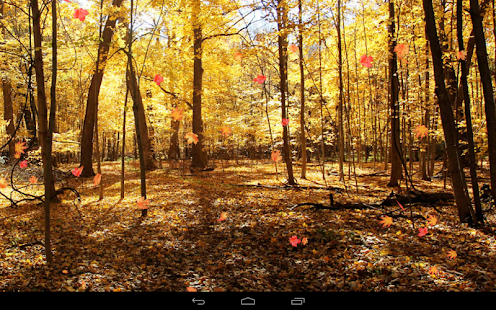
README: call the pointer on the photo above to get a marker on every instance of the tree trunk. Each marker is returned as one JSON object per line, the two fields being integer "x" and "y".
{"x": 487, "y": 88}
{"x": 199, "y": 160}
{"x": 468, "y": 117}
{"x": 447, "y": 118}
{"x": 303, "y": 139}
{"x": 8, "y": 114}
{"x": 393, "y": 102}
{"x": 283, "y": 72}
{"x": 340, "y": 101}
{"x": 93, "y": 93}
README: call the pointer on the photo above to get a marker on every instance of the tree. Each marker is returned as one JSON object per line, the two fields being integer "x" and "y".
{"x": 447, "y": 119}
{"x": 487, "y": 88}
{"x": 303, "y": 139}
{"x": 282, "y": 20}
{"x": 93, "y": 94}
{"x": 393, "y": 103}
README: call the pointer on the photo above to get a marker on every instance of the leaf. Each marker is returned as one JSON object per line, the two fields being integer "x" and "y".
{"x": 422, "y": 231}
{"x": 386, "y": 221}
{"x": 421, "y": 131}
{"x": 226, "y": 131}
{"x": 461, "y": 55}
{"x": 20, "y": 147}
{"x": 177, "y": 114}
{"x": 294, "y": 241}
{"x": 191, "y": 137}
{"x": 223, "y": 216}
{"x": 143, "y": 203}
{"x": 190, "y": 289}
{"x": 285, "y": 121}
{"x": 431, "y": 220}
{"x": 3, "y": 183}
{"x": 81, "y": 14}
{"x": 401, "y": 50}
{"x": 33, "y": 180}
{"x": 158, "y": 79}
{"x": 304, "y": 241}
{"x": 97, "y": 179}
{"x": 400, "y": 205}
{"x": 452, "y": 254}
{"x": 366, "y": 61}
{"x": 293, "y": 48}
{"x": 77, "y": 171}
{"x": 259, "y": 79}
{"x": 24, "y": 164}
{"x": 433, "y": 270}
{"x": 276, "y": 156}
{"x": 238, "y": 55}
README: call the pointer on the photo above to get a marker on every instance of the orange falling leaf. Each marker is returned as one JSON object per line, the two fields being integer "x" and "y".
{"x": 190, "y": 289}
{"x": 421, "y": 131}
{"x": 238, "y": 56}
{"x": 80, "y": 14}
{"x": 20, "y": 147}
{"x": 276, "y": 156}
{"x": 401, "y": 50}
{"x": 326, "y": 259}
{"x": 431, "y": 220}
{"x": 158, "y": 79}
{"x": 223, "y": 216}
{"x": 461, "y": 55}
{"x": 433, "y": 270}
{"x": 23, "y": 164}
{"x": 304, "y": 241}
{"x": 259, "y": 79}
{"x": 386, "y": 221}
{"x": 97, "y": 179}
{"x": 33, "y": 179}
{"x": 400, "y": 205}
{"x": 191, "y": 137}
{"x": 3, "y": 183}
{"x": 177, "y": 114}
{"x": 226, "y": 131}
{"x": 293, "y": 48}
{"x": 452, "y": 254}
{"x": 285, "y": 121}
{"x": 143, "y": 203}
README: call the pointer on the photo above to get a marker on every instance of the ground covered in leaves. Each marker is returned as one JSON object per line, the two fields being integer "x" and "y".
{"x": 105, "y": 245}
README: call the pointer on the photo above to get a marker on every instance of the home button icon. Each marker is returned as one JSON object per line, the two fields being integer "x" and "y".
{"x": 247, "y": 301}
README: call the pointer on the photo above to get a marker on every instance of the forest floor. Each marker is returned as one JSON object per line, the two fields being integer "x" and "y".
{"x": 105, "y": 245}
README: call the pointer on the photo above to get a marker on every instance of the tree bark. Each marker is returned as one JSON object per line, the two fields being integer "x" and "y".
{"x": 8, "y": 113}
{"x": 487, "y": 88}
{"x": 93, "y": 93}
{"x": 447, "y": 118}
{"x": 282, "y": 18}
{"x": 396, "y": 168}
{"x": 303, "y": 139}
{"x": 199, "y": 160}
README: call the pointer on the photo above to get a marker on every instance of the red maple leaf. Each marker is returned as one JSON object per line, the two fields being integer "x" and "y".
{"x": 294, "y": 241}
{"x": 158, "y": 79}
{"x": 81, "y": 14}
{"x": 24, "y": 164}
{"x": 366, "y": 61}
{"x": 285, "y": 121}
{"x": 77, "y": 171}
{"x": 260, "y": 79}
{"x": 422, "y": 231}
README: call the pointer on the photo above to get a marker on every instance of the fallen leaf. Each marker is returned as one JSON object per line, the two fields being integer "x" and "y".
{"x": 422, "y": 231}
{"x": 191, "y": 137}
{"x": 386, "y": 221}
{"x": 190, "y": 289}
{"x": 143, "y": 203}
{"x": 452, "y": 254}
{"x": 223, "y": 216}
{"x": 97, "y": 179}
{"x": 431, "y": 220}
{"x": 294, "y": 241}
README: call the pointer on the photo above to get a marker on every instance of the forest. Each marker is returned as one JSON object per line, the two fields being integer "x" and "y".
{"x": 247, "y": 146}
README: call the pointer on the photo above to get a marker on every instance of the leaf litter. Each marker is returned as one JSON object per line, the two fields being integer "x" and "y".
{"x": 209, "y": 232}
